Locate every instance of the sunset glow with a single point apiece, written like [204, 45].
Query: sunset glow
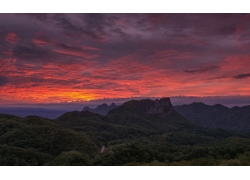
[80, 57]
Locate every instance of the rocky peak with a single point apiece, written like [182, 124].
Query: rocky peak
[86, 108]
[104, 105]
[161, 106]
[113, 105]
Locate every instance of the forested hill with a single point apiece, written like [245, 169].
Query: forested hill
[144, 132]
[217, 116]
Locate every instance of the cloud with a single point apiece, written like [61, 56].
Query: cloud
[3, 80]
[31, 52]
[76, 53]
[12, 38]
[40, 16]
[83, 25]
[42, 38]
[90, 48]
[242, 76]
[201, 69]
[40, 42]
[81, 51]
[54, 57]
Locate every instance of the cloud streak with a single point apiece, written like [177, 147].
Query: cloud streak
[242, 76]
[201, 69]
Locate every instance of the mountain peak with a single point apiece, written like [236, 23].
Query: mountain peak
[112, 105]
[162, 106]
[104, 105]
[219, 106]
[198, 104]
[86, 108]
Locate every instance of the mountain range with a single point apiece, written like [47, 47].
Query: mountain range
[217, 116]
[144, 132]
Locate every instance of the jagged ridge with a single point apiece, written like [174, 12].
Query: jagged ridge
[162, 107]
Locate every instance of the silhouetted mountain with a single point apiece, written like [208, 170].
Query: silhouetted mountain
[162, 107]
[101, 109]
[217, 116]
[148, 115]
[132, 118]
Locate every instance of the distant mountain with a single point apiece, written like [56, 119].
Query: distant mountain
[101, 109]
[217, 116]
[27, 111]
[51, 113]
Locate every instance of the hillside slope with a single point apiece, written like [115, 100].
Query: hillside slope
[40, 137]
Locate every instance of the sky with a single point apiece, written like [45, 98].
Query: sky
[53, 58]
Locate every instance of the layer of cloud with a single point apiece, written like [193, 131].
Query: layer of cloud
[65, 57]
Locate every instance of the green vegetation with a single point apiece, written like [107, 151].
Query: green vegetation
[130, 136]
[35, 141]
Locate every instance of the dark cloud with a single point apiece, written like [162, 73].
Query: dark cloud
[242, 76]
[217, 78]
[69, 47]
[227, 29]
[201, 69]
[42, 79]
[40, 16]
[3, 80]
[31, 52]
[88, 25]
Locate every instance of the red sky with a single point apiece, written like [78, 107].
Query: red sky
[68, 57]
